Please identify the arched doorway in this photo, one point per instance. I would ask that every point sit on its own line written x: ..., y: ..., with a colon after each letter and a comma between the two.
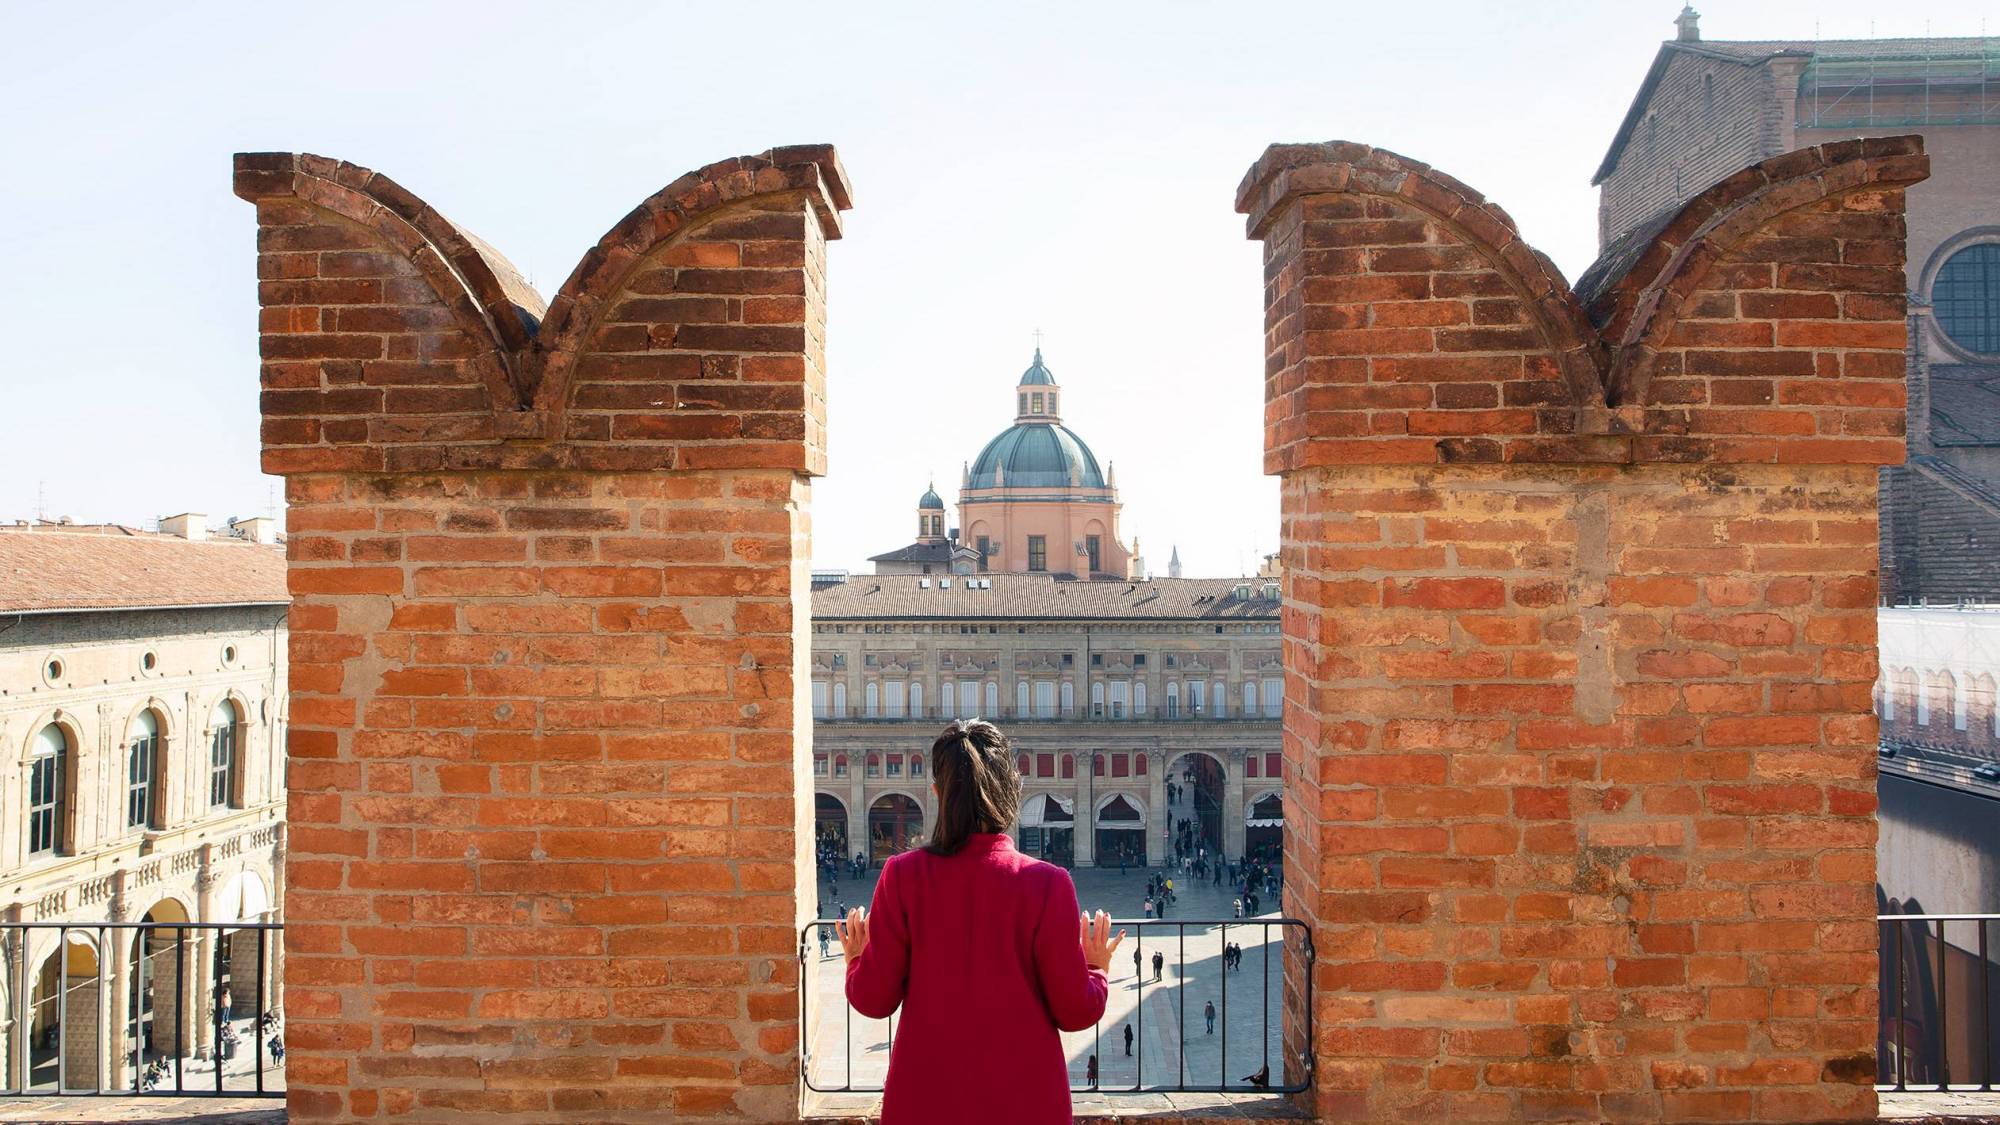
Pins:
x: 64, y: 1017
x: 154, y: 997
x: 1048, y: 828
x: 895, y: 822
x: 830, y: 828
x: 1121, y: 832
x: 1264, y: 828
x: 1196, y: 782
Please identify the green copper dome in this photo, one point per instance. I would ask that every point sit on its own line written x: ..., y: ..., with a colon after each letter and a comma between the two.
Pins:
x: 931, y: 499
x: 1037, y: 374
x: 1035, y: 455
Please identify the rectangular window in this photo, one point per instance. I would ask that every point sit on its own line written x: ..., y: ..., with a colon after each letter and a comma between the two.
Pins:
x: 1045, y: 699
x: 1035, y: 401
x: 222, y: 766
x: 1045, y: 765
x: 1120, y: 698
x: 1121, y: 765
x: 45, y: 805
x: 840, y: 766
x: 893, y: 695
x: 1092, y: 548
x: 820, y: 695
x: 916, y: 765
x: 1274, y: 698
x: 1038, y: 553
x: 819, y: 765
x: 1274, y: 764
x: 139, y: 782
x: 895, y: 765
x: 985, y: 552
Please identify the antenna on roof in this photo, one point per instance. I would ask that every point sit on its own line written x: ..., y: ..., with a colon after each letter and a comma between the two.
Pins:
x: 41, y: 501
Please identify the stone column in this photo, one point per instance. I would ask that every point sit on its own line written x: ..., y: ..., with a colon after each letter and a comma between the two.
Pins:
x: 857, y: 806
x: 200, y: 1007
x: 549, y: 567
x: 1579, y: 629
x: 1159, y: 820
x: 1086, y: 813
x: 117, y: 1038
x: 1232, y: 803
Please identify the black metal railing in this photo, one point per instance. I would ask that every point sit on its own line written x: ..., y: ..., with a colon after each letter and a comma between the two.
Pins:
x: 1257, y: 968
x: 1938, y: 1000
x: 1105, y: 713
x: 108, y: 978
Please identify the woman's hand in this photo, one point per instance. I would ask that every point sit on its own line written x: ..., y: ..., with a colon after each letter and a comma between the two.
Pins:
x: 853, y: 933
x: 1098, y: 944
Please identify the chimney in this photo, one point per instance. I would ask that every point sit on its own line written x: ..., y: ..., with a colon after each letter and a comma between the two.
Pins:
x: 1689, y: 23
x: 187, y: 525
x: 257, y: 529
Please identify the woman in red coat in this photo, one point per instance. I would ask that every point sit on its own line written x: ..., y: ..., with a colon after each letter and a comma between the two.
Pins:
x: 985, y: 951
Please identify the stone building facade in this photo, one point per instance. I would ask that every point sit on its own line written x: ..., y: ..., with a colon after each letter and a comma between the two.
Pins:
x: 142, y: 696
x: 1709, y: 107
x: 1109, y: 690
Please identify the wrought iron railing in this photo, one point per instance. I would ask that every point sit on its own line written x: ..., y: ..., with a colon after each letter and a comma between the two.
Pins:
x: 828, y: 1053
x: 116, y: 983
x: 1938, y: 1000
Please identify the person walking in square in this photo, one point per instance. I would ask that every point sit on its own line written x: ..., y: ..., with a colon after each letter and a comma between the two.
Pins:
x: 983, y: 1002
x: 1128, y: 1034
x: 1090, y: 1072
x: 1159, y: 964
x: 1208, y: 1013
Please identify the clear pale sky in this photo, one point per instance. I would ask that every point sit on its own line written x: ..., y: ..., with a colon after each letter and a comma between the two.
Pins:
x: 1062, y: 166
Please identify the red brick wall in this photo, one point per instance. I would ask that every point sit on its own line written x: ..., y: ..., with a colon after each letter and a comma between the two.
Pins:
x: 1579, y: 636
x: 549, y: 575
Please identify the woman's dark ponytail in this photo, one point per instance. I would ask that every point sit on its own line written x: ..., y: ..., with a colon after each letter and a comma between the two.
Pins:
x: 978, y: 788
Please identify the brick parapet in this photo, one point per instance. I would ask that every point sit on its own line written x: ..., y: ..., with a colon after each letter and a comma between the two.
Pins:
x: 1578, y: 737
x: 1406, y: 321
x: 395, y: 342
x: 548, y: 747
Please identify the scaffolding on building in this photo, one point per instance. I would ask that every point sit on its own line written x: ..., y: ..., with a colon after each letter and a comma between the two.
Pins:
x: 1943, y: 82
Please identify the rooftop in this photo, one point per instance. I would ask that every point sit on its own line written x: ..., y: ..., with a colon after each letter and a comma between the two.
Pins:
x: 49, y: 568
x: 1042, y: 596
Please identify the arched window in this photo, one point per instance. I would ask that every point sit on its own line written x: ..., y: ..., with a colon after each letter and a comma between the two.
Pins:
x: 840, y: 765
x: 1923, y: 704
x: 1965, y: 298
x: 871, y: 700
x: 225, y: 757
x: 48, y: 796
x: 1249, y: 698
x: 1139, y: 699
x: 1068, y: 766
x: 1221, y: 700
x: 1173, y: 700
x: 839, y: 700
x: 1020, y: 699
x: 1068, y: 699
x: 1021, y: 764
x: 142, y: 766
x: 1887, y: 687
x: 1708, y: 92
x: 1097, y: 700
x: 1139, y: 763
x: 1958, y: 708
x: 1097, y: 765
x: 874, y: 765
x: 917, y: 764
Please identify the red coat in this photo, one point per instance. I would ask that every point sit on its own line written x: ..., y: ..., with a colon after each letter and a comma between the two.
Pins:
x: 981, y: 951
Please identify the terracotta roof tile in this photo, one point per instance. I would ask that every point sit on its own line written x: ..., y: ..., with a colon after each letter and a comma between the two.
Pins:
x: 43, y: 569
x: 1042, y: 596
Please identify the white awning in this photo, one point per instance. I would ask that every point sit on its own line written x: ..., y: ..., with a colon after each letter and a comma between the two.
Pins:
x: 1048, y: 809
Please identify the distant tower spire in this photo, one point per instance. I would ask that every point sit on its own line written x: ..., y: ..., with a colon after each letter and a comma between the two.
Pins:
x: 1689, y: 24
x: 1174, y: 563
